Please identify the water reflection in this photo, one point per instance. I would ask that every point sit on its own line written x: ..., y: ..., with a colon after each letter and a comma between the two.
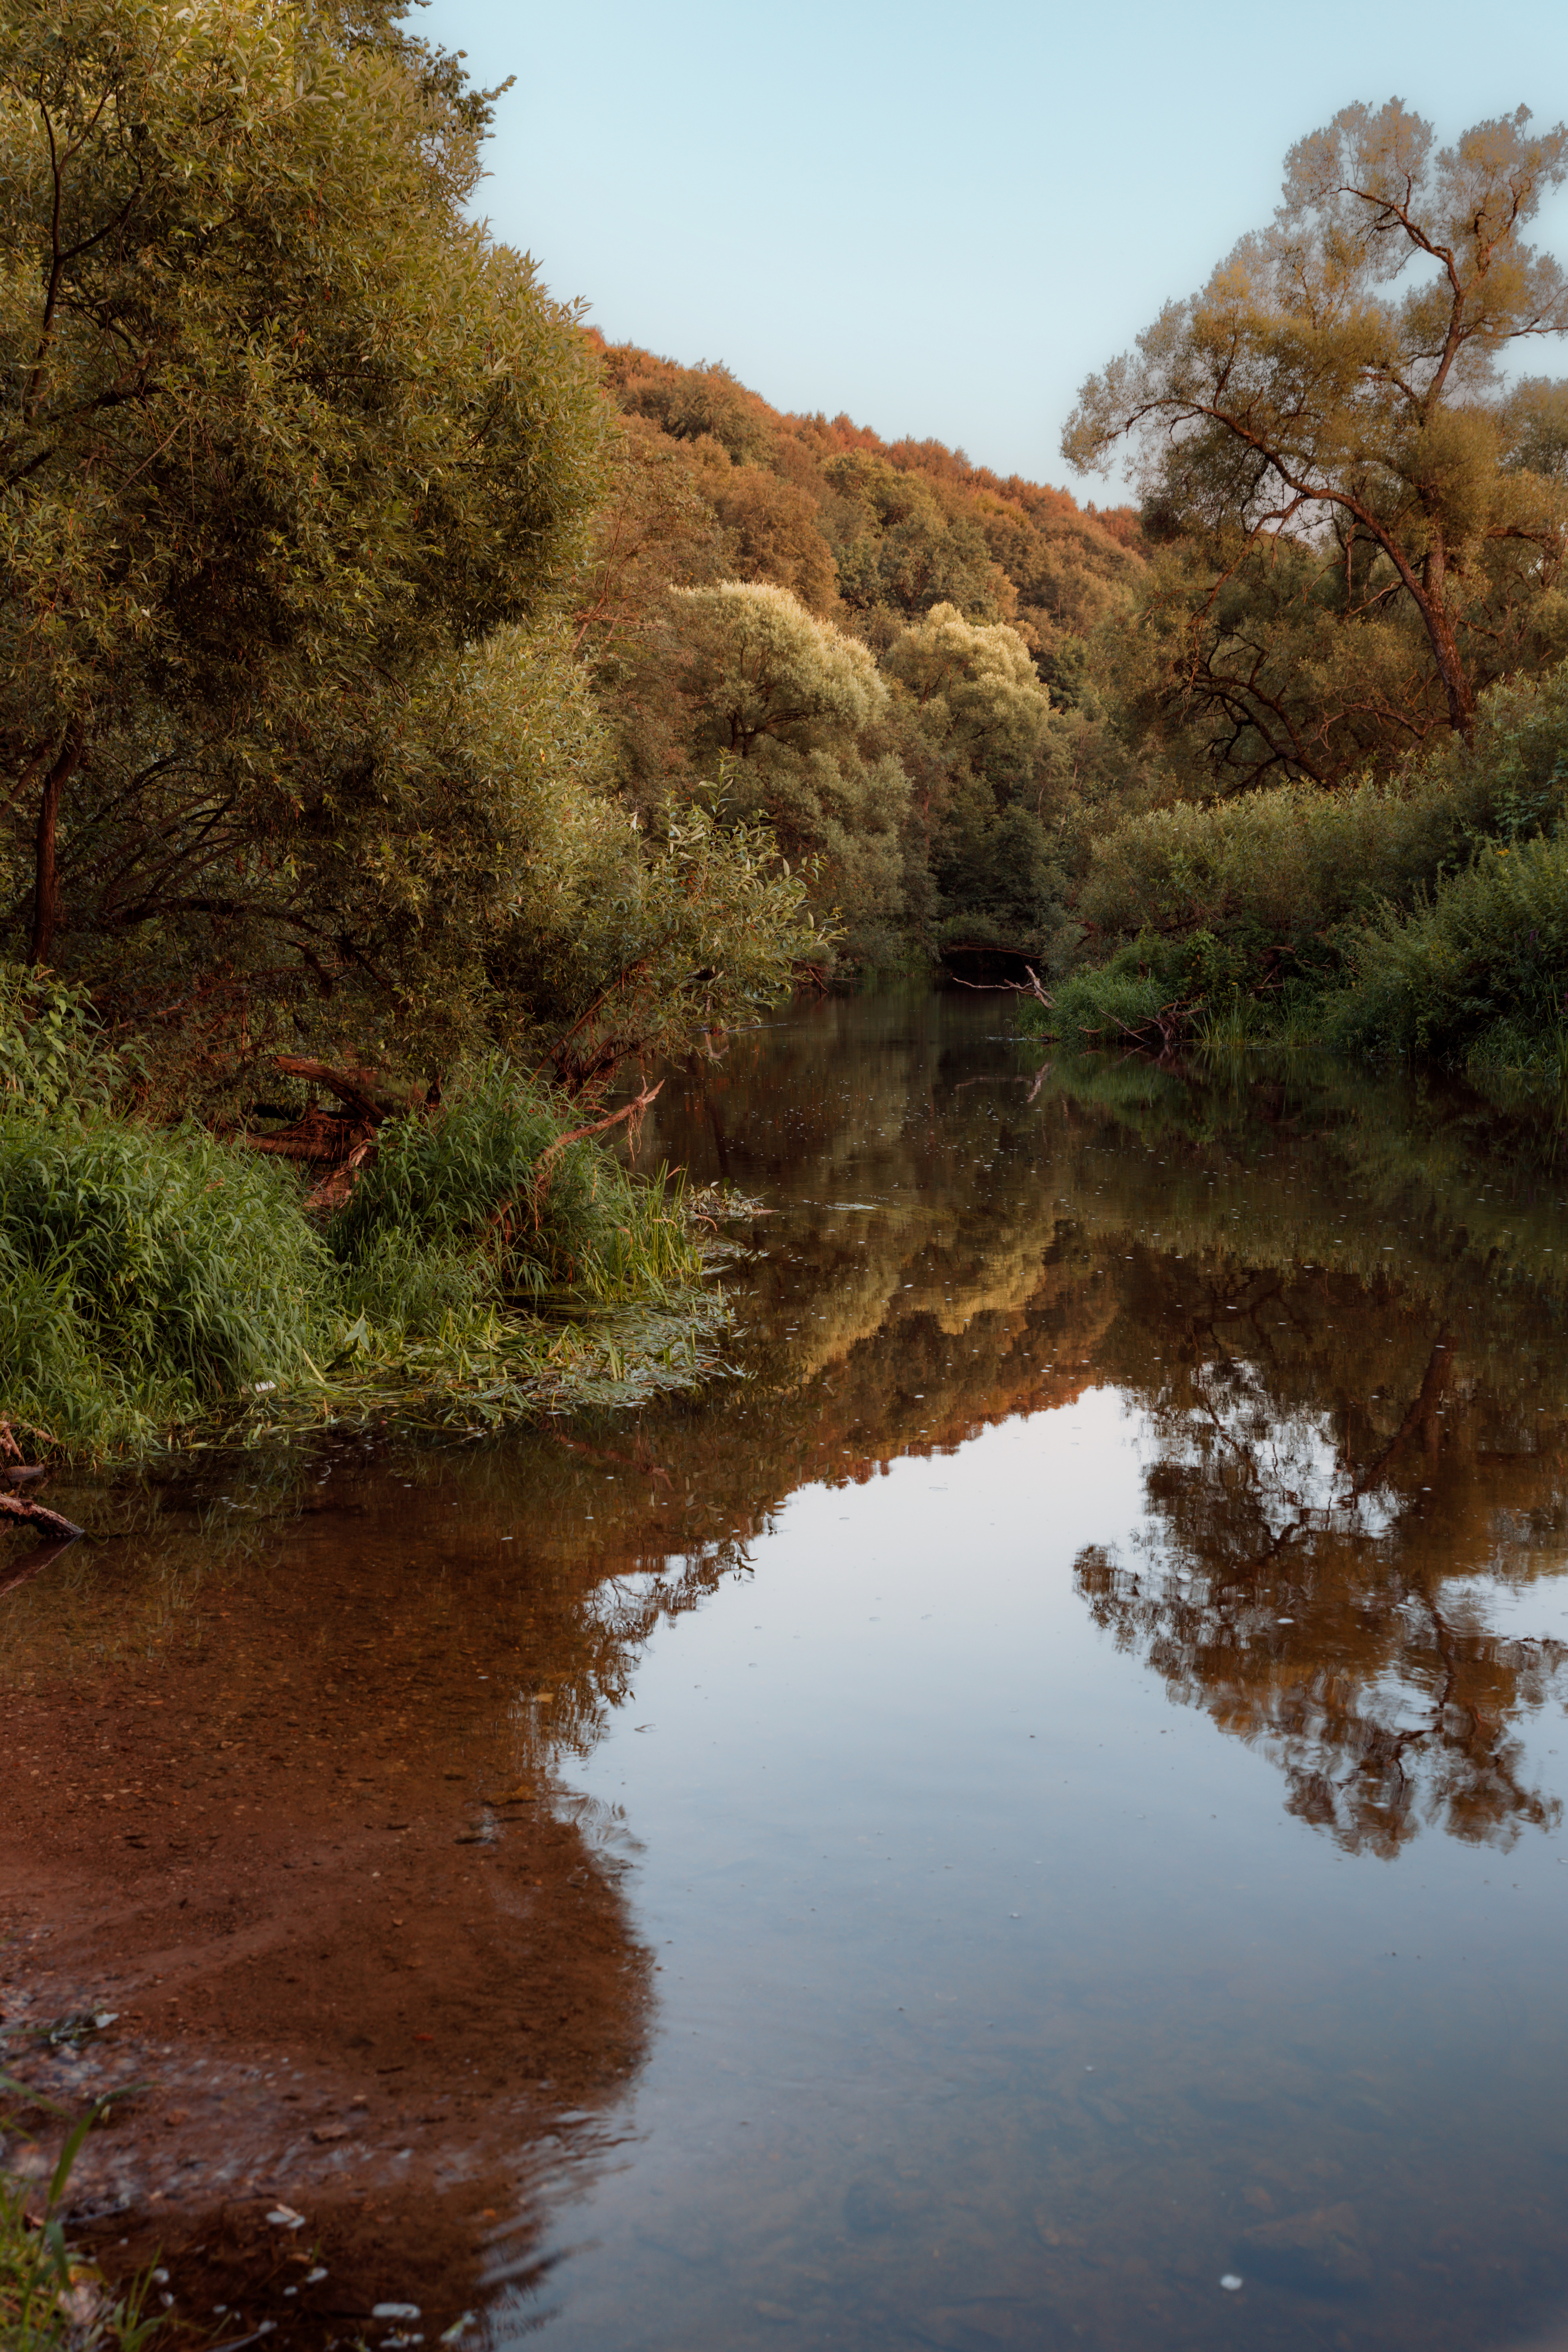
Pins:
x: 1342, y: 1424
x: 582, y: 1801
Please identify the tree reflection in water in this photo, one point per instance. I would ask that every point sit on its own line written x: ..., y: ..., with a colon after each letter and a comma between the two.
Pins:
x: 1340, y: 1307
x: 1303, y: 1574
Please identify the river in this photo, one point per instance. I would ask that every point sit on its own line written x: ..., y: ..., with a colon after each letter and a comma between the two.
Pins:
x: 1031, y: 1813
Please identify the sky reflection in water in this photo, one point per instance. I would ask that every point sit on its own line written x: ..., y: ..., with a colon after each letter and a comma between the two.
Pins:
x: 1116, y: 1846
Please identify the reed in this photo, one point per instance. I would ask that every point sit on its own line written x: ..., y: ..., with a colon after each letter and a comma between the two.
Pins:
x: 159, y: 1285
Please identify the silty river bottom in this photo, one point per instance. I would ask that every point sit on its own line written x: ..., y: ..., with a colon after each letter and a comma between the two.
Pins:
x: 1031, y: 1814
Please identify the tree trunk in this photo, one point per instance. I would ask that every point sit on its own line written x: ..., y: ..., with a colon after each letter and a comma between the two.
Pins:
x: 45, y: 870
x: 1445, y: 644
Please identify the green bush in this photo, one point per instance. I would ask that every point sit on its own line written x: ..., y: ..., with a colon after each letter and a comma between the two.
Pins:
x: 1425, y: 914
x: 150, y: 1278
x: 484, y: 1185
x: 1291, y: 864
x: 1486, y: 954
x: 1117, y: 1003
x: 50, y: 1048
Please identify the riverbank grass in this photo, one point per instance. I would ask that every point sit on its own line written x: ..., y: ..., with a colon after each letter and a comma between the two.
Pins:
x: 51, y: 2298
x: 160, y: 1283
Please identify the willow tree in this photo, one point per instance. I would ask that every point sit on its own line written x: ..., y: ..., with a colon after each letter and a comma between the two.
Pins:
x: 1325, y: 430
x: 788, y: 709
x: 281, y: 434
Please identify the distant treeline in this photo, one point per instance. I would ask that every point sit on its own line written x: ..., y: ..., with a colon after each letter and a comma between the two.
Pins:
x: 886, y: 653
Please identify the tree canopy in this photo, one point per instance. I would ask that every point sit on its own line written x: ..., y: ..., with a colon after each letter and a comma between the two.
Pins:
x: 287, y: 440
x: 1369, y: 525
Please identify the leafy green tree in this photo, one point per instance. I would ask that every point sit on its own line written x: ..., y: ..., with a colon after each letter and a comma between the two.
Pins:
x: 978, y: 693
x: 761, y: 667
x: 1336, y: 450
x: 978, y: 722
x: 640, y: 941
x: 795, y: 704
x: 900, y: 550
x: 283, y: 434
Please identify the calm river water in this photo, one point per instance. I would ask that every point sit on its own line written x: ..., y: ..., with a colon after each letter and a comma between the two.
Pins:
x: 1065, y: 1760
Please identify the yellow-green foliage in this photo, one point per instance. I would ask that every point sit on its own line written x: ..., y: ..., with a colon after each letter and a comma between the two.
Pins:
x: 1294, y: 861
x: 1483, y: 963
x: 976, y: 687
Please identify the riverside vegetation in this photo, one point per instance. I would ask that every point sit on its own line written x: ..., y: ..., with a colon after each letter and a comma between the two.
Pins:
x: 410, y: 698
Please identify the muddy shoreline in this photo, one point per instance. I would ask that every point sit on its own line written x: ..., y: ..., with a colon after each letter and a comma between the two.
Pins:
x: 305, y: 1855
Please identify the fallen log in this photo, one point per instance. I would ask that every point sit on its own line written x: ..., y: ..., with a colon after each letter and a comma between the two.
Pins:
x: 17, y: 1511
x: 338, y: 1139
x: 364, y: 1091
x: 325, y: 1139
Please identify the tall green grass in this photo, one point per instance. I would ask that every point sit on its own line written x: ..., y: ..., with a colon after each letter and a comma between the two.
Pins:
x: 154, y: 1279
x: 484, y: 1193
x: 145, y: 1276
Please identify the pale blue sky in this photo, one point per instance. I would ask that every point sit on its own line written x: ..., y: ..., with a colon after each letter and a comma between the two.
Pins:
x: 938, y: 219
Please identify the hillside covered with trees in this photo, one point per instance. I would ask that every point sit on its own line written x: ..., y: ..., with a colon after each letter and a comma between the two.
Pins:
x: 890, y: 654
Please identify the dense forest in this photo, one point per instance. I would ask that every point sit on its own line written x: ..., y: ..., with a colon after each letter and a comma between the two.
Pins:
x: 881, y: 651
x: 415, y: 706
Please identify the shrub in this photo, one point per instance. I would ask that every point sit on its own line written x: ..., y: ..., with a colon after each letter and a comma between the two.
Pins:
x: 149, y: 1277
x: 50, y: 1049
x: 1297, y: 861
x: 486, y: 1181
x: 1487, y: 951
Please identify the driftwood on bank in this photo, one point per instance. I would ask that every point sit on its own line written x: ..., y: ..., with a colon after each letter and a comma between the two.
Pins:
x: 20, y: 1511
x: 336, y: 1143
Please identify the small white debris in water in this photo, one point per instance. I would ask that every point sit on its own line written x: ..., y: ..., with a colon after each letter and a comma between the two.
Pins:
x: 283, y: 2217
x: 394, y: 2311
x: 1230, y: 2282
x: 314, y: 2278
x: 103, y: 2017
x: 1284, y: 1620
x: 459, y: 2327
